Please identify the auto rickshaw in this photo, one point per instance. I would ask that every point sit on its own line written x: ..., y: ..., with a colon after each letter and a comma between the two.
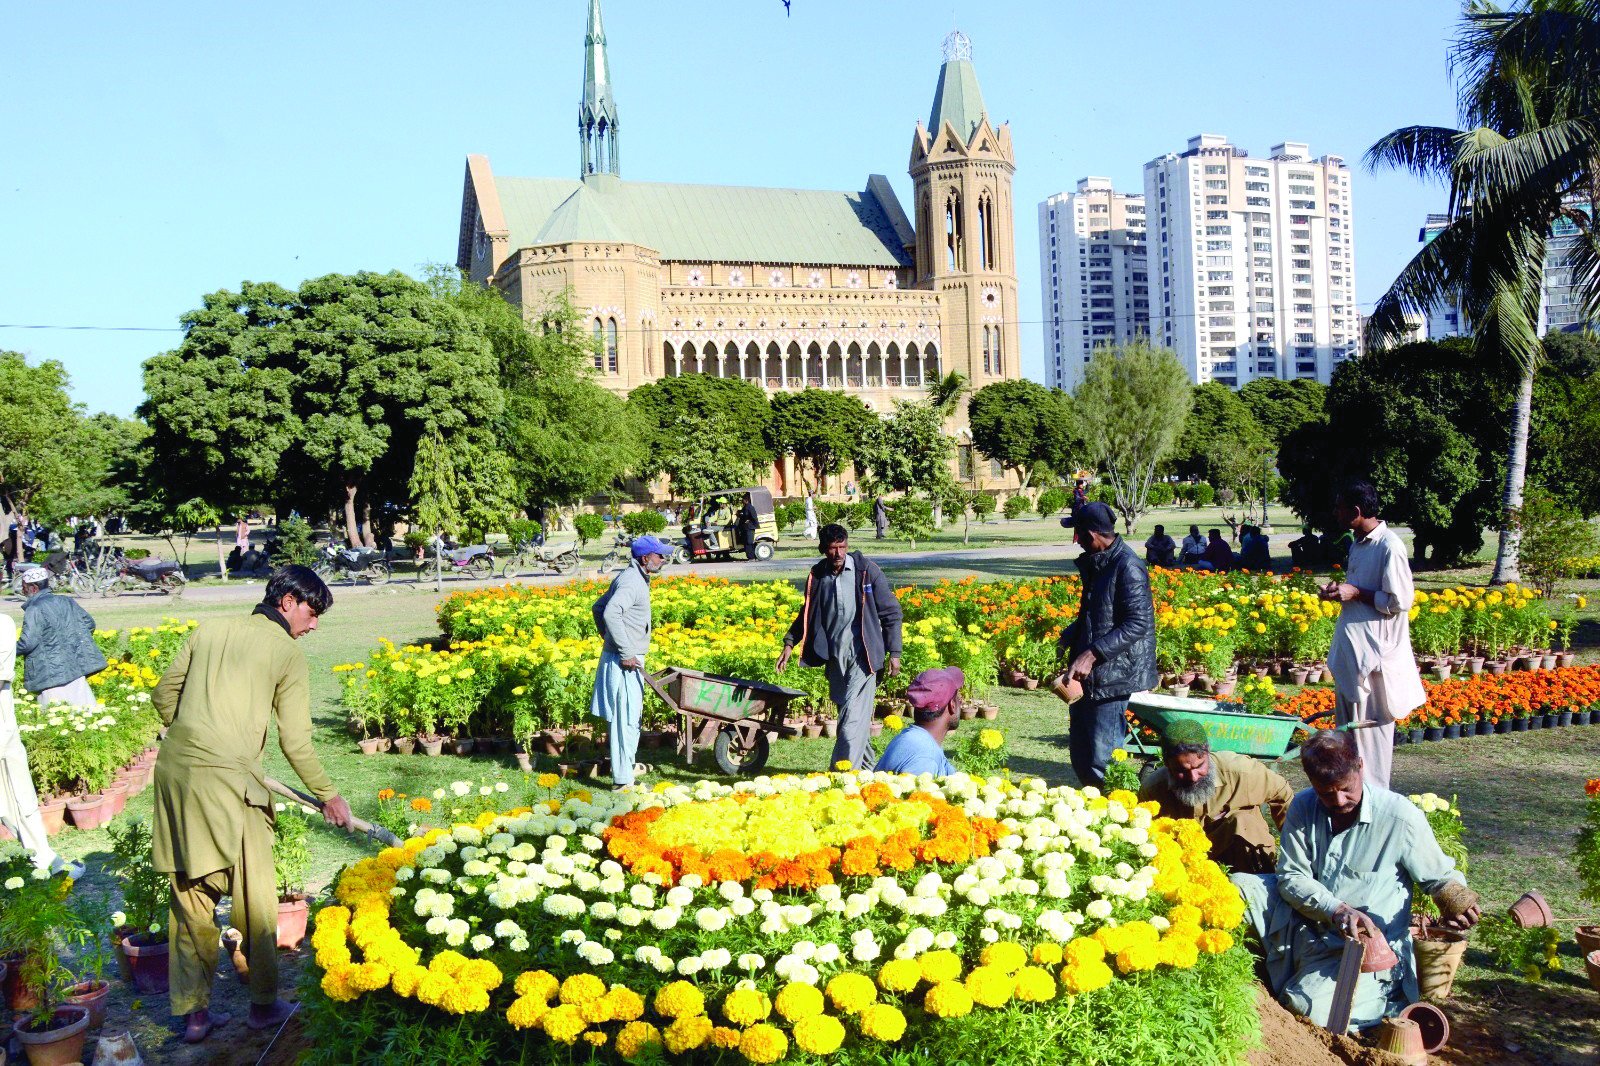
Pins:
x: 712, y: 532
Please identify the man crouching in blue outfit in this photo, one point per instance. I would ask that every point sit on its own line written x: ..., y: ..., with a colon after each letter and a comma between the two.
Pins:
x: 935, y: 698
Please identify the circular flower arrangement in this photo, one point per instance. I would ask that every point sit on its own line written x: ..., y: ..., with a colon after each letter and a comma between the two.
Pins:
x: 863, y: 916
x: 735, y: 278
x: 777, y: 279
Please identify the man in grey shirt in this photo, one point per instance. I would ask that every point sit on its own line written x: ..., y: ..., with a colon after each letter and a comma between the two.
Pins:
x: 849, y: 624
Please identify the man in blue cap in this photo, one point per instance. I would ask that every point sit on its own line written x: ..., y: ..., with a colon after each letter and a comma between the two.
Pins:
x: 1111, y: 648
x: 622, y: 616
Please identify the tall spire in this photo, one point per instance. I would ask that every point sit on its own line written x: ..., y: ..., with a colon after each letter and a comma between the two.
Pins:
x: 957, y: 99
x: 597, y: 114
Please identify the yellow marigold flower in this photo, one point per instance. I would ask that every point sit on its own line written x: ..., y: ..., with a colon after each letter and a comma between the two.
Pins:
x: 447, y: 962
x: 687, y: 1034
x: 900, y: 975
x: 940, y: 966
x: 819, y: 1035
x: 989, y: 986
x: 948, y: 999
x: 1084, y: 950
x: 894, y: 723
x: 679, y: 999
x: 798, y: 1000
x: 1215, y: 941
x: 563, y: 1024
x: 596, y: 1011
x: 548, y: 780
x: 368, y: 977
x: 1181, y: 953
x: 1006, y: 955
x: 1085, y: 977
x: 746, y: 1006
x: 422, y: 804
x: 1047, y: 953
x: 1137, y: 957
x: 580, y: 988
x: 405, y: 980
x: 882, y: 1021
x: 540, y: 983
x: 336, y: 985
x: 526, y: 1011
x: 1034, y: 984
x: 763, y: 1044
x: 626, y: 1004
x: 723, y: 1037
x: 843, y: 766
x: 480, y: 972
x: 991, y: 738
x: 849, y: 992
x: 635, y: 1037
x: 1119, y: 755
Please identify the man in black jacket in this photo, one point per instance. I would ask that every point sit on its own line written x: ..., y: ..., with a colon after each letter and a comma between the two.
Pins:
x: 1112, y: 644
x: 849, y: 624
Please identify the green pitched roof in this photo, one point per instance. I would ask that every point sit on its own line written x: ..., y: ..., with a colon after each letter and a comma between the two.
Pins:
x: 957, y: 99
x: 708, y: 223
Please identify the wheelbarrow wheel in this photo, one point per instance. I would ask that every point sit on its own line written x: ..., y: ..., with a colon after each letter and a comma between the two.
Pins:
x: 734, y: 758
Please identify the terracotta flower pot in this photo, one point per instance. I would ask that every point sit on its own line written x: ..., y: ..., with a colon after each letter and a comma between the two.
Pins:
x: 92, y: 996
x: 1588, y: 938
x: 1402, y: 1038
x: 1432, y: 1023
x: 57, y: 1040
x: 812, y: 730
x: 1439, y: 954
x: 968, y: 712
x: 1565, y: 659
x: 368, y: 746
x: 234, y: 940
x: 1314, y: 675
x: 1224, y: 688
x: 1474, y: 664
x: 1030, y: 683
x: 830, y: 727
x: 1495, y: 666
x: 1378, y: 957
x: 1530, y: 911
x: 292, y: 921
x: 463, y: 745
x: 88, y: 812
x: 147, y: 954
x: 124, y: 967
x: 402, y: 745
x: 989, y: 712
x: 550, y: 742
x: 432, y: 747
x: 876, y: 728
x: 1178, y: 690
x: 1298, y: 675
x: 1591, y: 963
x: 116, y: 795
x: 1442, y: 672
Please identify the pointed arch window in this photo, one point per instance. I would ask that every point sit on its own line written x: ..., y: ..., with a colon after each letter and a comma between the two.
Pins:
x: 986, y: 235
x: 987, y: 357
x: 999, y: 353
x: 599, y: 344
x: 954, y: 235
x: 925, y: 236
x: 611, y: 345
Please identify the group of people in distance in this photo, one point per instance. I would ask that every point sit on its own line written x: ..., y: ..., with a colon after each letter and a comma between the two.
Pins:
x: 1210, y: 552
x: 1348, y: 850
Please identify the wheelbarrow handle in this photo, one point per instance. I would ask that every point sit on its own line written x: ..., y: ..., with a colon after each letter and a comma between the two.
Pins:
x: 374, y: 832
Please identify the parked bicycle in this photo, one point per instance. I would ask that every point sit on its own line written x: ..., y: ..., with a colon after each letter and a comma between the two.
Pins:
x: 357, y: 564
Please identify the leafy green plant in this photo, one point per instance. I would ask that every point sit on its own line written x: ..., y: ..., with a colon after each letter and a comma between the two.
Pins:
x: 42, y: 925
x: 638, y: 523
x: 145, y: 893
x: 1052, y: 500
x: 1122, y: 772
x: 589, y: 527
x: 1444, y: 818
x: 1202, y: 495
x: 1553, y: 537
x: 982, y: 506
x: 1586, y: 856
x: 982, y: 752
x: 295, y: 544
x: 1016, y: 507
x: 1529, y: 952
x: 291, y: 850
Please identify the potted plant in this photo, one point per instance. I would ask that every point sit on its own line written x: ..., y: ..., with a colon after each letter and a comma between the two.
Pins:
x: 42, y: 923
x: 291, y: 862
x: 1586, y: 857
x: 137, y: 931
x: 1439, y: 951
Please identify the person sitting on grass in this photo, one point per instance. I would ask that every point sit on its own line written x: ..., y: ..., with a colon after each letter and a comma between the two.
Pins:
x: 935, y: 698
x: 1224, y: 792
x: 1350, y: 853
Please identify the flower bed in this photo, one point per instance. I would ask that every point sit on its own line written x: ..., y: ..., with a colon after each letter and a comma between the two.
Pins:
x: 857, y: 917
x: 80, y: 749
x: 1497, y: 703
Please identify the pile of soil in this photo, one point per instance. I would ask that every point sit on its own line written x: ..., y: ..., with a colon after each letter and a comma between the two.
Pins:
x: 1289, y: 1040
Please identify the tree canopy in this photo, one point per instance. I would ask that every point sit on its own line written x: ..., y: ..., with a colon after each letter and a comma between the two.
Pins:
x: 909, y: 452
x: 821, y: 428
x: 41, y: 436
x: 1019, y: 424
x: 1132, y: 405
x: 702, y: 433
x: 1280, y: 407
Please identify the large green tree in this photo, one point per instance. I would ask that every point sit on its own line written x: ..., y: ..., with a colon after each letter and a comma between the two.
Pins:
x: 702, y: 433
x: 1220, y: 437
x: 1566, y: 432
x: 821, y: 428
x: 1527, y: 155
x: 317, y: 397
x: 909, y: 452
x: 39, y: 433
x: 1132, y: 405
x: 1019, y: 424
x: 1426, y: 424
x: 1280, y: 406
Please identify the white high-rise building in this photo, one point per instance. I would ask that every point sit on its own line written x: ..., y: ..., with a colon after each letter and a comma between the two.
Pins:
x: 1252, y: 261
x: 1095, y: 275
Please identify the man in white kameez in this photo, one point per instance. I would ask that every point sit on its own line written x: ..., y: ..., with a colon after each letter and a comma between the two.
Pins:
x: 1374, y: 671
x: 622, y: 616
x: 19, y: 802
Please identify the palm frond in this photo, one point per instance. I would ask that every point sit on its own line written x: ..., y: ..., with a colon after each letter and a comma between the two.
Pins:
x: 1490, y: 167
x: 1432, y: 276
x: 1426, y: 151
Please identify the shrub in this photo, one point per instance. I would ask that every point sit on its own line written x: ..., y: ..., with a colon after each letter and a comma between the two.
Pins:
x: 1160, y: 494
x: 1554, y: 537
x: 857, y: 516
x: 144, y: 891
x: 1202, y: 495
x: 829, y: 512
x: 790, y: 514
x: 1017, y: 506
x: 519, y: 530
x: 982, y: 506
x: 1225, y: 496
x: 1053, y: 500
x: 291, y: 850
x: 295, y: 544
x: 1104, y: 494
x: 135, y: 554
x: 911, y: 518
x: 637, y: 523
x: 589, y: 527
x: 1183, y: 493
x: 415, y: 539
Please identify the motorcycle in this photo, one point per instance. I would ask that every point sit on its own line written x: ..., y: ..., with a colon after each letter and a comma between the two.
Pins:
x: 536, y: 556
x: 474, y: 560
x: 165, y: 576
x: 355, y: 563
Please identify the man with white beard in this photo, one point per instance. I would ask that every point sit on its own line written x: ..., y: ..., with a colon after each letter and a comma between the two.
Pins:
x: 1222, y: 791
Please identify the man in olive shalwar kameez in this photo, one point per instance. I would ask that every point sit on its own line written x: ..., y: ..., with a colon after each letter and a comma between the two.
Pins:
x: 213, y: 821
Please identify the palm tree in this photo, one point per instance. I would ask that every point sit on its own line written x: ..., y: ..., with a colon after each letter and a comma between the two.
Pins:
x: 1528, y: 145
x: 946, y: 393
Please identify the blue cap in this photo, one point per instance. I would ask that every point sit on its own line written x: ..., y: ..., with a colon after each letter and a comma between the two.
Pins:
x: 648, y: 545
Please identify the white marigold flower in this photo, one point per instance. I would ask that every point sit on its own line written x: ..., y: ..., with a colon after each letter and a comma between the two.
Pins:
x: 716, y: 958
x: 679, y: 897
x: 664, y: 965
x: 596, y: 954
x: 14, y: 883
x: 482, y: 942
x: 519, y: 944
x: 751, y: 962
x: 710, y: 919
x: 743, y: 907
x: 665, y: 918
x: 827, y: 955
x: 630, y: 916
x: 642, y: 896
x: 865, y: 951
x: 1099, y: 909
x: 688, y: 967
x: 562, y: 905
x: 461, y: 788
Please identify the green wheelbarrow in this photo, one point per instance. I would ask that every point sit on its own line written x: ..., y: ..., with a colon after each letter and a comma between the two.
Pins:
x: 731, y: 716
x: 1260, y: 736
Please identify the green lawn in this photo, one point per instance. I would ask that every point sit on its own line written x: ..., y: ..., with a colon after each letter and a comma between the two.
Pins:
x: 1521, y: 794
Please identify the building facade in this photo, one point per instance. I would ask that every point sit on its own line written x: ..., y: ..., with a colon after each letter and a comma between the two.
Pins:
x: 1095, y: 274
x: 785, y: 288
x: 1252, y: 261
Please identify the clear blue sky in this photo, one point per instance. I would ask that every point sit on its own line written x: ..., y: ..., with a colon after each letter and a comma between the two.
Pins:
x: 157, y: 152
